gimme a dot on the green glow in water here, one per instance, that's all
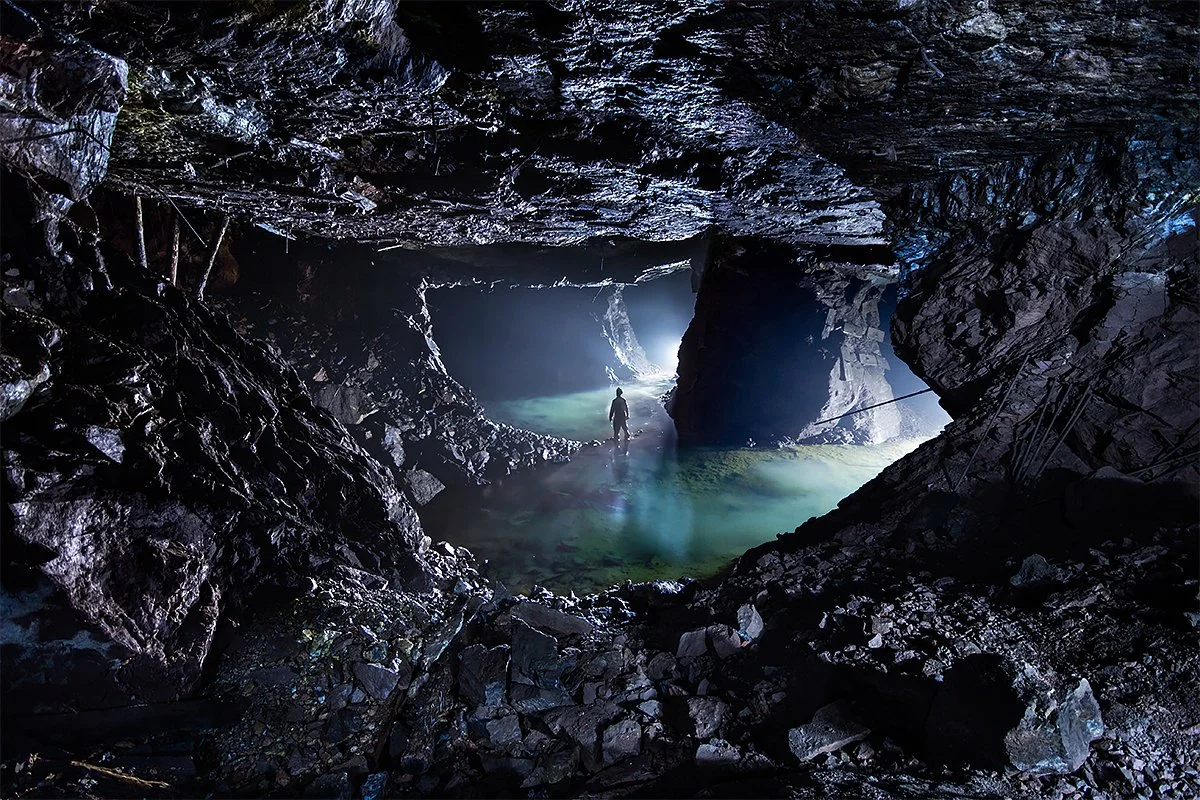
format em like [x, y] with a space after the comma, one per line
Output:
[649, 512]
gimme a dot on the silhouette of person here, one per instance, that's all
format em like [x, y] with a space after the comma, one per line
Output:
[618, 414]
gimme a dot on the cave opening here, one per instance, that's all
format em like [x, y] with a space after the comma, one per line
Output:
[548, 360]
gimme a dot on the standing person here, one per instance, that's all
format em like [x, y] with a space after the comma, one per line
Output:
[618, 414]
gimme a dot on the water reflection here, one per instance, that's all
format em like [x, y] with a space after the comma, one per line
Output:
[643, 509]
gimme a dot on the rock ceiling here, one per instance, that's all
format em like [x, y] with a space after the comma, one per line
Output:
[455, 125]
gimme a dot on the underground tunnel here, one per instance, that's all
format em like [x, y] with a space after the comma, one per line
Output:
[314, 316]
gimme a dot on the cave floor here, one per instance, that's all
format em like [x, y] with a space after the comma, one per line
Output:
[643, 511]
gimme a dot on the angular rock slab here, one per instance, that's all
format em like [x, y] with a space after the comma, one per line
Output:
[424, 486]
[828, 731]
[534, 656]
[717, 753]
[483, 674]
[749, 622]
[692, 644]
[549, 619]
[377, 681]
[706, 714]
[1056, 733]
[622, 740]
[724, 639]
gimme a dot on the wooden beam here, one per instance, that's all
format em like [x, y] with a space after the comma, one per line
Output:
[141, 234]
[212, 257]
[175, 253]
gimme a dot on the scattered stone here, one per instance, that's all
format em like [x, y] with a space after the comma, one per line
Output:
[1056, 733]
[375, 786]
[274, 676]
[706, 714]
[554, 768]
[828, 731]
[539, 616]
[107, 441]
[621, 741]
[1035, 570]
[483, 674]
[660, 667]
[445, 635]
[339, 696]
[750, 624]
[651, 708]
[333, 786]
[717, 753]
[424, 487]
[516, 768]
[531, 699]
[534, 656]
[580, 723]
[377, 681]
[504, 732]
[692, 644]
[725, 640]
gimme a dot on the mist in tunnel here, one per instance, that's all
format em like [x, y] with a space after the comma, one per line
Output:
[507, 344]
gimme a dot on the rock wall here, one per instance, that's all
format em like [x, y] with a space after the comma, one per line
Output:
[859, 377]
[1079, 280]
[159, 468]
[360, 335]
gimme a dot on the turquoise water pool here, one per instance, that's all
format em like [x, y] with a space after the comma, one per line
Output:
[647, 511]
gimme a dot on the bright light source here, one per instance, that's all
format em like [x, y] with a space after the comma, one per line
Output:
[668, 356]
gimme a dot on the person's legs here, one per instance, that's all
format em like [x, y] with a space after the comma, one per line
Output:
[616, 429]
[624, 427]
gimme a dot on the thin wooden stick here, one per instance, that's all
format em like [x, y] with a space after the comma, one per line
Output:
[212, 257]
[141, 234]
[175, 253]
[122, 776]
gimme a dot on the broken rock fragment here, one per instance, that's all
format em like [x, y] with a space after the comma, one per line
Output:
[483, 674]
[1057, 731]
[621, 741]
[749, 623]
[829, 730]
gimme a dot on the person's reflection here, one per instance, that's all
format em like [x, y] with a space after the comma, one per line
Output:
[621, 462]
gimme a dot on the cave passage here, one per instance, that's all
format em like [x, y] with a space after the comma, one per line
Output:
[544, 360]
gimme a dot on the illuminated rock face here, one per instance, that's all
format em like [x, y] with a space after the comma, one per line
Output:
[618, 331]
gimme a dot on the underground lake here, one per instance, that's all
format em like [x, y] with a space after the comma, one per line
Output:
[644, 511]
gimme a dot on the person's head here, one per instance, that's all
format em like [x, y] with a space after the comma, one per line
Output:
[619, 392]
